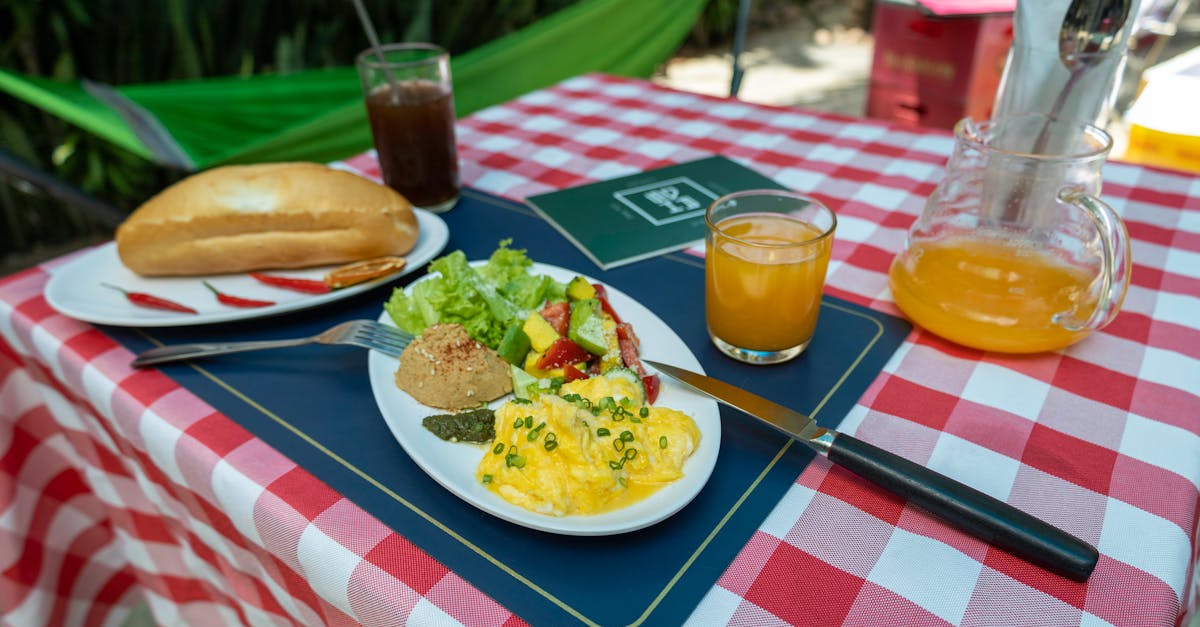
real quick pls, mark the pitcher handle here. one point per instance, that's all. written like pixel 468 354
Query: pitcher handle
pixel 1116 266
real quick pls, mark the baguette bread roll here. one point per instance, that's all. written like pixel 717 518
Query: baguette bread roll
pixel 256 217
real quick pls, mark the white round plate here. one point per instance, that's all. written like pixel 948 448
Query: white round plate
pixel 75 289
pixel 453 464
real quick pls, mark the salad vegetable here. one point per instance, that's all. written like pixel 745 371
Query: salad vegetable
pixel 476 425
pixel 486 300
pixel 549 331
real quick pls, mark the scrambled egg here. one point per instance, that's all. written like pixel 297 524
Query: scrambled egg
pixel 585 450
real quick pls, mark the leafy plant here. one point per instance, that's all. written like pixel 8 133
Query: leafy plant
pixel 144 41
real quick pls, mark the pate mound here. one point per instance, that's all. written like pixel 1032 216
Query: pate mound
pixel 445 368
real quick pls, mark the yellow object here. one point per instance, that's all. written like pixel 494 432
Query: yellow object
pixel 541 334
pixel 764 298
pixel 1164 129
pixel 991 295
pixel 530 366
pixel 612 357
pixel 1171 150
pixel 566 460
pixel 580 289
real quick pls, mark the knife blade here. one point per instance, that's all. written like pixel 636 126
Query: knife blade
pixel 968 509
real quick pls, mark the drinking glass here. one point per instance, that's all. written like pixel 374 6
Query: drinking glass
pixel 410 105
pixel 766 256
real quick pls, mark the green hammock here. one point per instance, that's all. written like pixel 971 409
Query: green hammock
pixel 318 115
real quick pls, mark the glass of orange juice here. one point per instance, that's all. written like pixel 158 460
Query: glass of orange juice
pixel 766 256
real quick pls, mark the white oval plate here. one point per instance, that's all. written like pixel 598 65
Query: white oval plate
pixel 75 290
pixel 453 464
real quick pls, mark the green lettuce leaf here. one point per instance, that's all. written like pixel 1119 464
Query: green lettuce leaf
pixel 485 300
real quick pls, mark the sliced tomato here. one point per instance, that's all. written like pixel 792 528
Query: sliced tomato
pixel 558 315
pixel 562 352
pixel 652 385
pixel 602 296
pixel 628 343
pixel 625 332
pixel 571 373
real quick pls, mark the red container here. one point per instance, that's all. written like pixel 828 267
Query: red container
pixel 938 61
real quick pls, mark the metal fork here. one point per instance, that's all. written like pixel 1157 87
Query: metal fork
pixel 365 333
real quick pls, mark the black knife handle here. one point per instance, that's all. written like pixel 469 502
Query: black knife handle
pixel 984 517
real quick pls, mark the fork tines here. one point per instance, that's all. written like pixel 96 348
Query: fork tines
pixel 380 337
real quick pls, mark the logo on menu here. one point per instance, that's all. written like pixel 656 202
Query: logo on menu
pixel 667 201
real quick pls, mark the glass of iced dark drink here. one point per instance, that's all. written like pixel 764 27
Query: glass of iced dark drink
pixel 410 105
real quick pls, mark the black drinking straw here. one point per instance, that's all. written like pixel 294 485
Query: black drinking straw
pixel 374 39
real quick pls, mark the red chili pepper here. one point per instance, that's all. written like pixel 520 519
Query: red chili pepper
pixel 149 300
pixel 237 301
pixel 292 283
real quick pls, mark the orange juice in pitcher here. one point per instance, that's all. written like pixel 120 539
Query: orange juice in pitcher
pixel 1014 252
pixel 990 294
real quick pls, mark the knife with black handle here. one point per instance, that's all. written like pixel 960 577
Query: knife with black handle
pixel 980 515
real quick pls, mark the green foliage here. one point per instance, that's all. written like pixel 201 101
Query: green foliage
pixel 144 41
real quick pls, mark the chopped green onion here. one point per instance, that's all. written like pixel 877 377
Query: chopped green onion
pixel 499 448
pixel 551 445
pixel 621 480
pixel 487 478
pixel 536 432
pixel 518 422
pixel 662 441
pixel 630 453
pixel 522 401
pixel 627 436
pixel 619 444
pixel 614 465
pixel 515 461
pixel 602 432
pixel 528 421
pixel 643 412
pixel 551 437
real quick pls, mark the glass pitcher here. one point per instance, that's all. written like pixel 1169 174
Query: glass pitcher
pixel 1014 252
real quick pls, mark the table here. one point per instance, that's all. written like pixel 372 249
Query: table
pixel 117 485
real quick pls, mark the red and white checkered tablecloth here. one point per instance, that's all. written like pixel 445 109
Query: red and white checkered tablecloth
pixel 117 485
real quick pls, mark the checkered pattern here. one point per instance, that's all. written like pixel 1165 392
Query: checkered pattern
pixel 118 485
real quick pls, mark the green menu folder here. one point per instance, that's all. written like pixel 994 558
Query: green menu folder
pixel 622 220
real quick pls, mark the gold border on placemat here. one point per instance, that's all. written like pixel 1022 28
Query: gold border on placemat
pixel 677 257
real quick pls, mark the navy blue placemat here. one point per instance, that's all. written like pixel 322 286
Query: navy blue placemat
pixel 314 404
